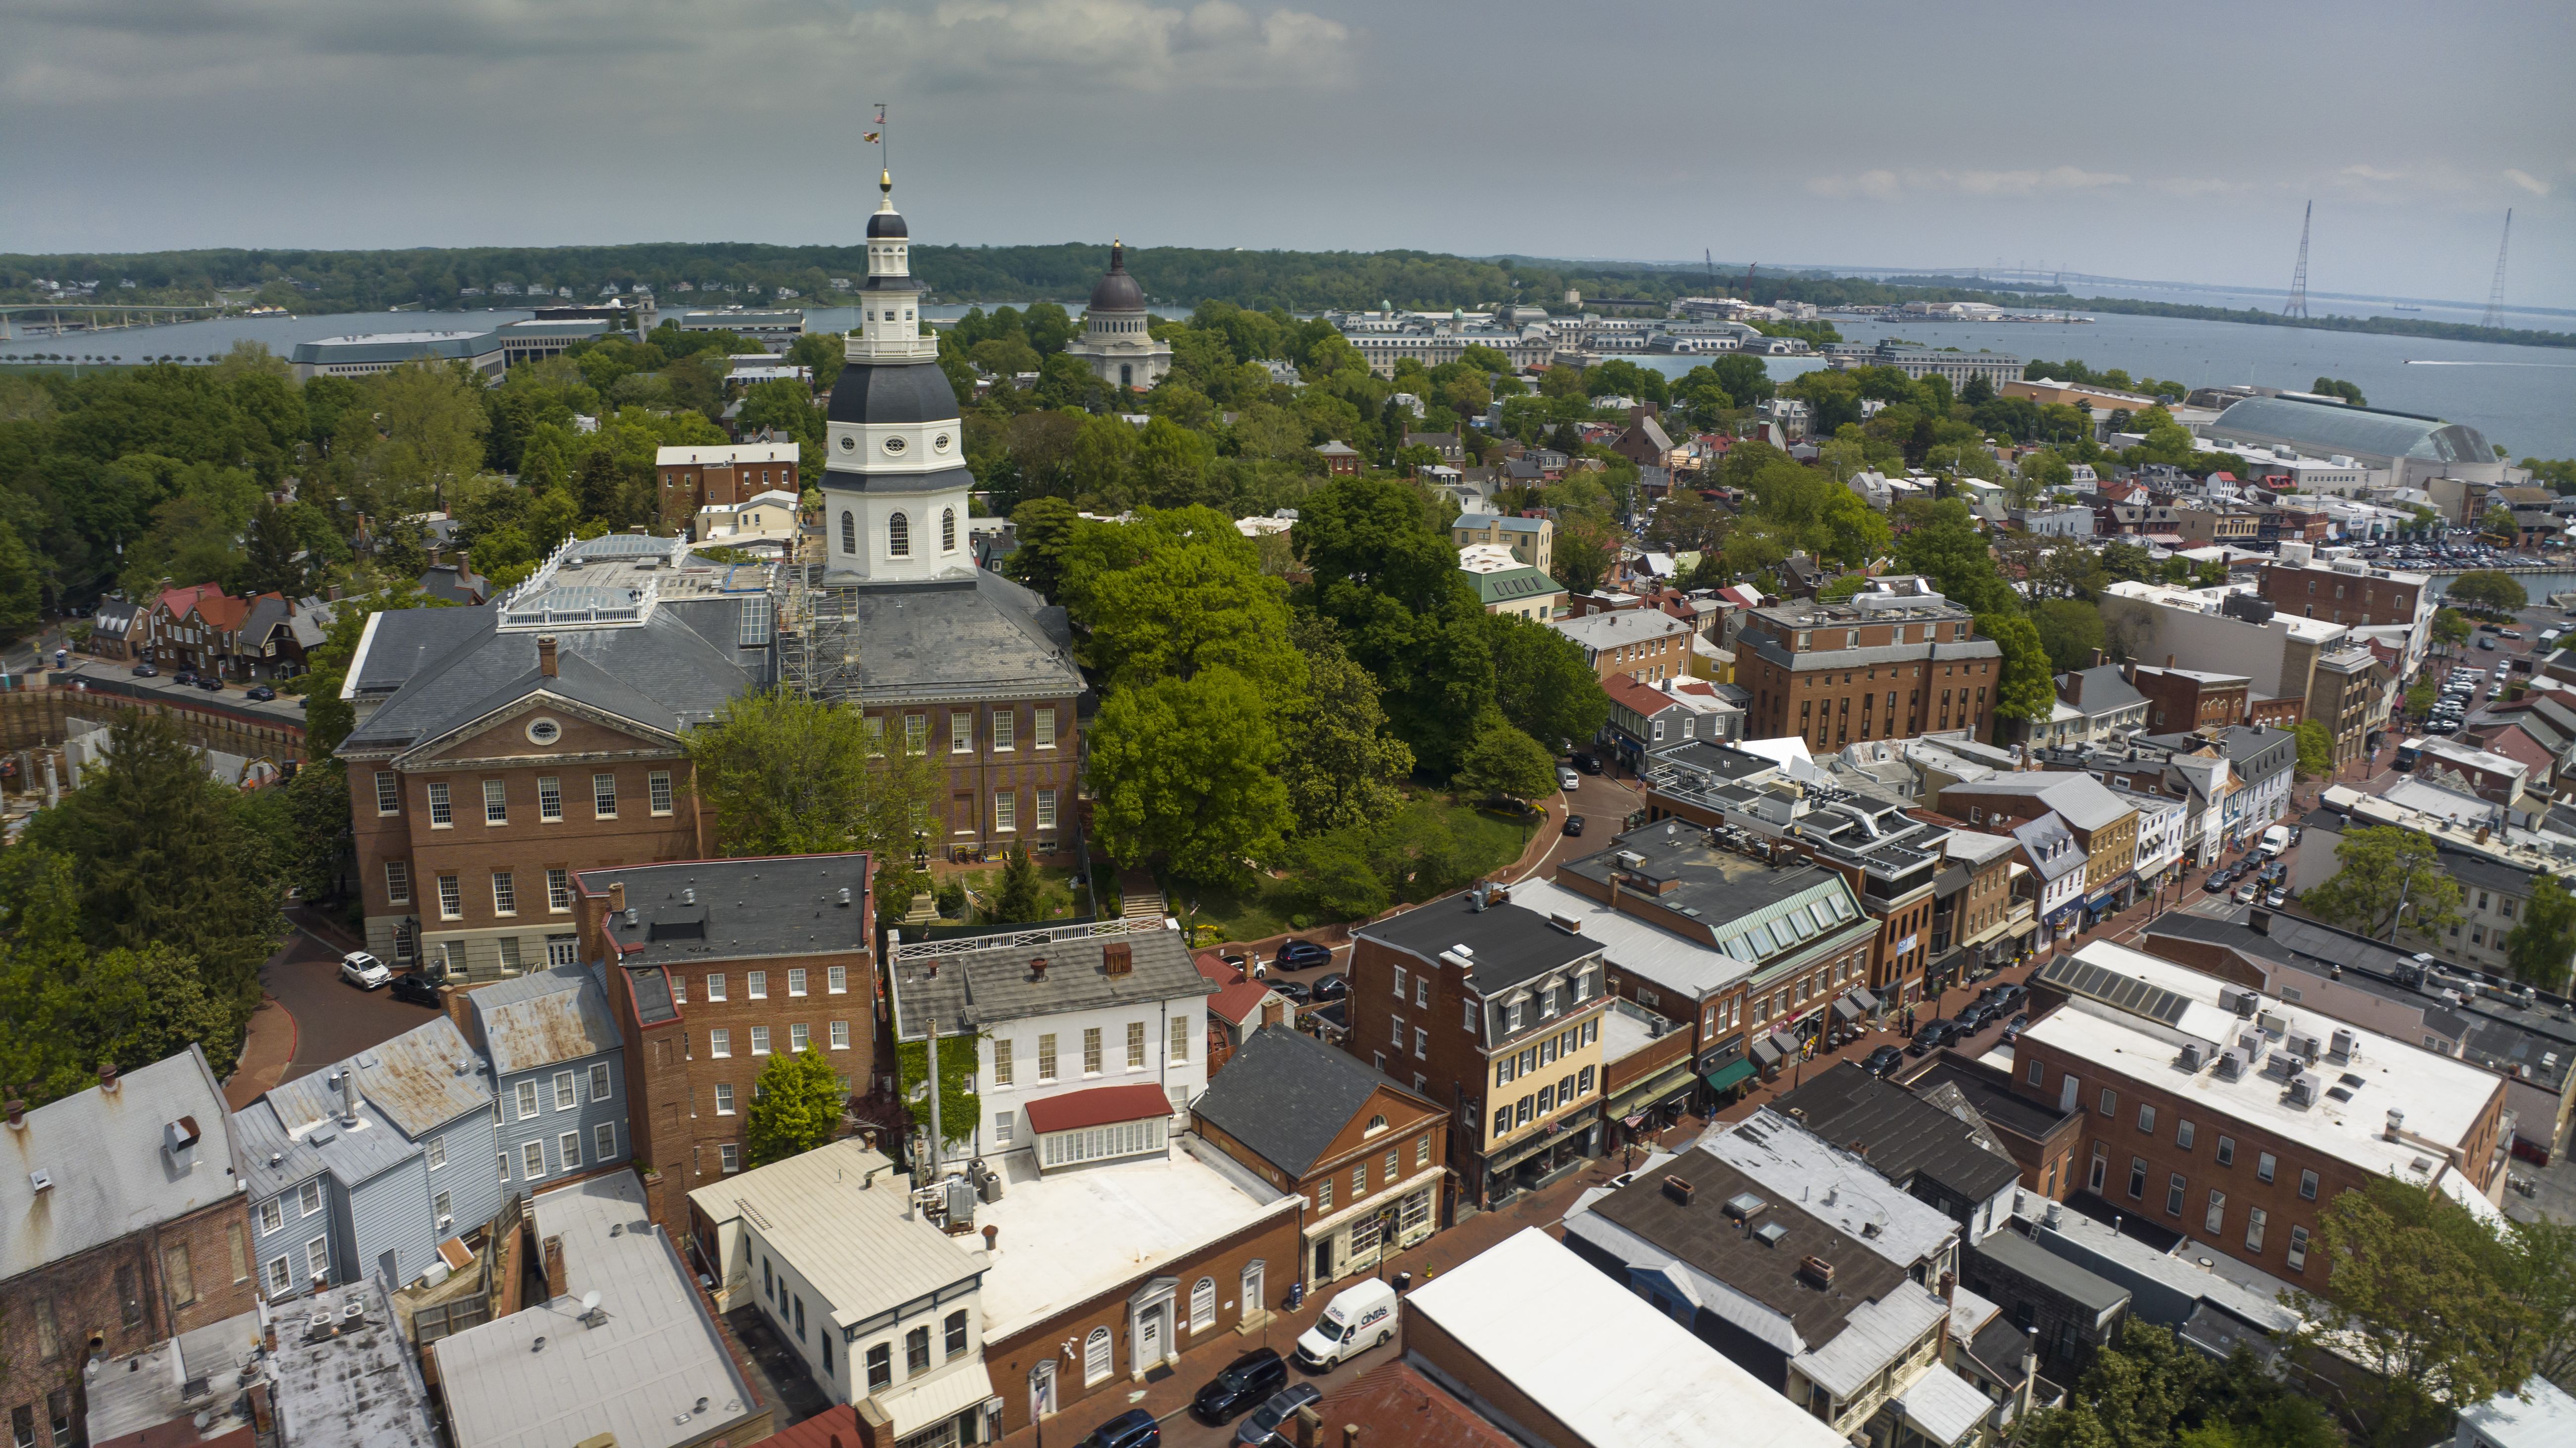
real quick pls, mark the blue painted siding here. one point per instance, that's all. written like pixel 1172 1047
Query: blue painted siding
pixel 591 1108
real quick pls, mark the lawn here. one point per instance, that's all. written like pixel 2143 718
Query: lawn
pixel 1055 888
pixel 1478 840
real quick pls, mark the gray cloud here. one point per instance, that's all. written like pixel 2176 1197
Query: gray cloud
pixel 1840 131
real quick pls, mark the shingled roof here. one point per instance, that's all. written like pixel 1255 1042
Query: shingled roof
pixel 1286 1095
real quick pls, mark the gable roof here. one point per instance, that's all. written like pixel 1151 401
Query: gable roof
pixel 103 1151
pixel 987 978
pixel 544 1018
pixel 1898 1133
pixel 1286 1095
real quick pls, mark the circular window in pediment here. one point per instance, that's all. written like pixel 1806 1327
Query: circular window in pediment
pixel 544 731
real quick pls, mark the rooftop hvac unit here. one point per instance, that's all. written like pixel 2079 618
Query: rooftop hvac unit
pixel 2342 1045
pixel 2268 1021
pixel 2232 1065
pixel 2238 999
pixel 2302 1044
pixel 2303 1089
pixel 2194 1055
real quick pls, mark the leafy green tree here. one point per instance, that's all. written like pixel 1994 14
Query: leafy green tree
pixel 1392 588
pixel 2419 1294
pixel 1943 544
pixel 2069 632
pixel 21 594
pixel 1020 897
pixel 2543 942
pixel 2498 525
pixel 2420 694
pixel 1541 682
pixel 1044 526
pixel 2380 872
pixel 1186 771
pixel 1336 876
pixel 2451 627
pixel 2023 688
pixel 1502 762
pixel 1342 763
pixel 2490 588
pixel 2316 749
pixel 797 1107
pixel 1176 592
pixel 786 775
pixel 162 858
pixel 1685 522
pixel 2336 387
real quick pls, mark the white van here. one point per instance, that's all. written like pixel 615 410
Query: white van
pixel 1359 1318
pixel 2275 840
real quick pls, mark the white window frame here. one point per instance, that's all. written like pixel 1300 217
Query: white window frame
pixel 496 802
pixel 840 1035
pixel 729 1158
pixel 757 987
pixel 505 893
pixel 724 1098
pixel 568 1150
pixel 657 791
pixel 435 1152
pixel 525 1093
pixel 451 898
pixel 760 1040
pixel 796 981
pixel 799 1036
pixel 603 795
pixel 715 986
pixel 1042 727
pixel 397 882
pixel 317 1259
pixel 719 1041
pixel 1045 809
pixel 388 793
pixel 567 1090
pixel 272 1216
pixel 532 1160
pixel 836 980
pixel 549 799
pixel 600 1089
pixel 442 810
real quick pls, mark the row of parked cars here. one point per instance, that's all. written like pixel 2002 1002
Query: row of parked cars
pixel 1999 1002
pixel 211 683
pixel 1255 1386
pixel 2261 879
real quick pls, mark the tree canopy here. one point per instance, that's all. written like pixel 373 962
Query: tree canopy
pixel 2382 870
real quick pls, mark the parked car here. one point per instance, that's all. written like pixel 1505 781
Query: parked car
pixel 262 693
pixel 1568 779
pixel 1587 764
pixel 1883 1060
pixel 1245 1383
pixel 1301 955
pixel 2004 995
pixel 211 683
pixel 2014 1027
pixel 184 676
pixel 1974 1017
pixel 1332 987
pixel 2278 898
pixel 2488 644
pixel 2248 894
pixel 416 988
pixel 146 671
pixel 1359 1318
pixel 1295 990
pixel 1264 1427
pixel 364 971
pixel 1932 1038
pixel 1134 1428
pixel 1574 824
pixel 2218 882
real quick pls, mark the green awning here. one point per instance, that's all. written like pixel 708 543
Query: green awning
pixel 1730 1073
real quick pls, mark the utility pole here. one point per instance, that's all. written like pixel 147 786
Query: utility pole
pixel 2495 294
pixel 2298 306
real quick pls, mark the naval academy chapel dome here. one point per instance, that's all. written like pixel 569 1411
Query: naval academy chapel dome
pixel 1117 291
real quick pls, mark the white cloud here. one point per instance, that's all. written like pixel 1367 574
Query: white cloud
pixel 2526 181
pixel 1885 185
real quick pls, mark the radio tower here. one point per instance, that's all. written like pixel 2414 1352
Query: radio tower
pixel 2495 294
pixel 2298 306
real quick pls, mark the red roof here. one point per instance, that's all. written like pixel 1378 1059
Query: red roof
pixel 180 600
pixel 1216 967
pixel 835 1427
pixel 1099 1106
pixel 1646 699
pixel 2520 747
pixel 1238 1001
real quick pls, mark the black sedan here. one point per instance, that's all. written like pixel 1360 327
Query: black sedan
pixel 1301 955
pixel 262 693
pixel 146 671
pixel 211 683
pixel 1574 824
pixel 1883 1060
pixel 1241 1387
pixel 1333 987
pixel 1295 990
pixel 1932 1038
pixel 414 987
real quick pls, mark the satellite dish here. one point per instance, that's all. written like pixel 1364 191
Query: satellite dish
pixel 590 1302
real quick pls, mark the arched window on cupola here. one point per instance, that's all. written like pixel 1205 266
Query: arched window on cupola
pixel 898 536
pixel 948 530
pixel 850 533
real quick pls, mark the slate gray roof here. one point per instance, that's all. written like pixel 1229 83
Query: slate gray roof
pixel 2018 1254
pixel 103 1152
pixel 113 619
pixel 2258 753
pixel 2084 801
pixel 744 908
pixel 1897 1133
pixel 2037 835
pixel 543 1018
pixel 446 667
pixel 983 637
pixel 1511 944
pixel 2099 691
pixel 985 981
pixel 1286 1095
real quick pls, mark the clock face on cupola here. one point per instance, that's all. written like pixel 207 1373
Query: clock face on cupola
pixel 895 480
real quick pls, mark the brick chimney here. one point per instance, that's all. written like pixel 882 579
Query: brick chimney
pixel 460 1012
pixel 617 896
pixel 546 655
pixel 554 1267
pixel 107 1077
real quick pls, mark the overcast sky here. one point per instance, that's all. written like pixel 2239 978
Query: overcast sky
pixel 2172 141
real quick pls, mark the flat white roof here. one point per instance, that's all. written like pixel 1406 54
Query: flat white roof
pixel 2442 1098
pixel 543 1378
pixel 748 452
pixel 842 1217
pixel 1832 1185
pixel 1672 961
pixel 2540 1416
pixel 1598 1359
pixel 361 339
pixel 1072 1234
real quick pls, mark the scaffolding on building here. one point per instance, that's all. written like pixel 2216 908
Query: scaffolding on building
pixel 817 626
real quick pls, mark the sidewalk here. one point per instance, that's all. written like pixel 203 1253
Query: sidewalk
pixel 1169 1393
pixel 268 1047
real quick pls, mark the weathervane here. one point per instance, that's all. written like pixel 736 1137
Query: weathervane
pixel 885 166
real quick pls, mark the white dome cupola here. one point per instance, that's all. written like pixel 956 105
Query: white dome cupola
pixel 895 480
